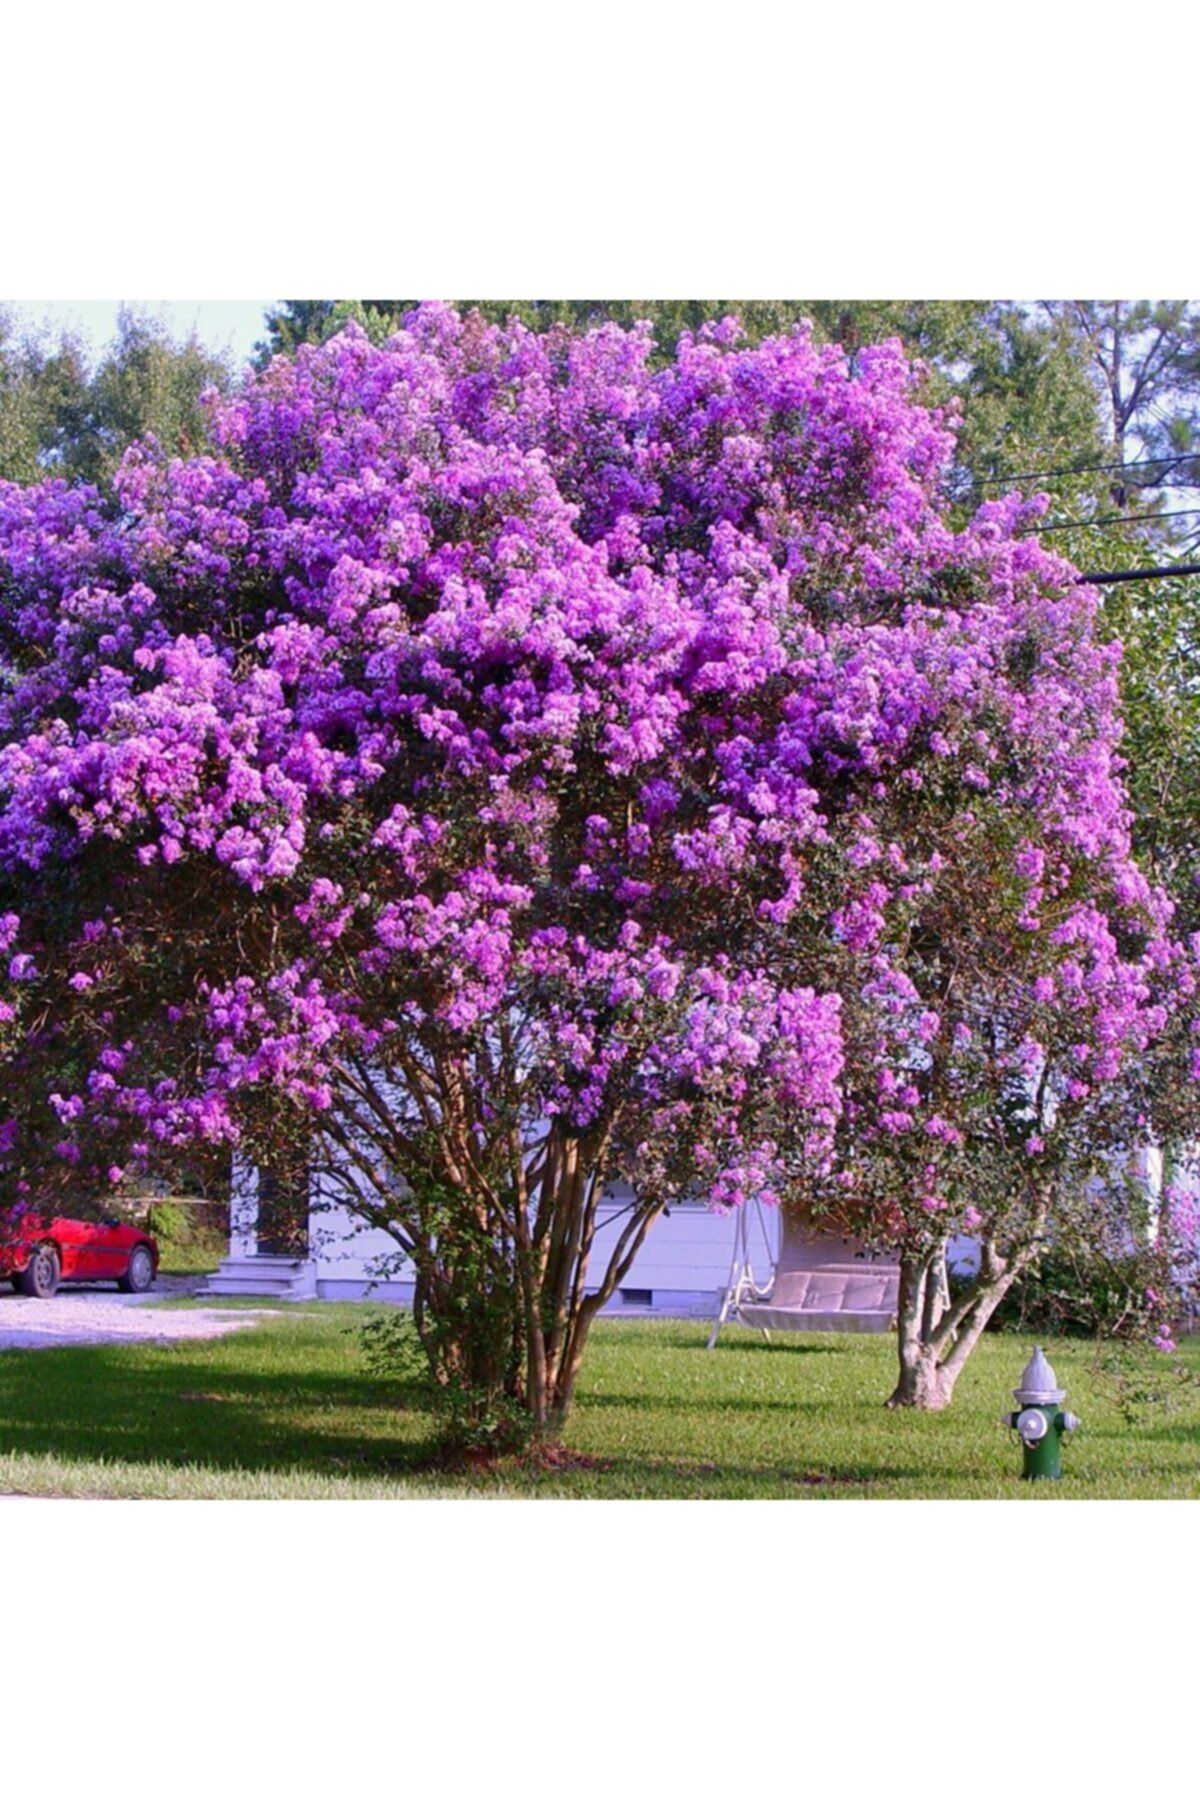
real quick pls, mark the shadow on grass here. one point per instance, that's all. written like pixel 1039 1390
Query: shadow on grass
pixel 1182 1433
pixel 719 1404
pixel 89 1403
pixel 95 1402
pixel 664 1476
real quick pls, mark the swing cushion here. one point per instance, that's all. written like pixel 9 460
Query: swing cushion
pixel 849 1296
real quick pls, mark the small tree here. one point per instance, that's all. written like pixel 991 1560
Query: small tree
pixel 1004 1039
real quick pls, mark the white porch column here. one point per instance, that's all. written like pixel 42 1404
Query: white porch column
pixel 243 1208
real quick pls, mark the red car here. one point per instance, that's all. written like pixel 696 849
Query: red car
pixel 36 1254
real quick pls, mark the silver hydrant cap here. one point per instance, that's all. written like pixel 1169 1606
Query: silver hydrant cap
pixel 1039 1384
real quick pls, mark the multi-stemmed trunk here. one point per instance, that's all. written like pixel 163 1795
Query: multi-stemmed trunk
pixel 509 1278
pixel 936 1334
pixel 553 1261
pixel 505 1325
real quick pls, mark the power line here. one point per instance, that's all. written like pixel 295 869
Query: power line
pixel 1136 462
pixel 1111 577
pixel 1184 512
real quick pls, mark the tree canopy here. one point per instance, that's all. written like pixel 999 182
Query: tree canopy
pixel 1023 381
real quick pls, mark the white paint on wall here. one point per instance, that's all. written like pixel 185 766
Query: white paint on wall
pixel 683 1265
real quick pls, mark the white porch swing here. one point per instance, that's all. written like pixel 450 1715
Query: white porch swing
pixel 816 1283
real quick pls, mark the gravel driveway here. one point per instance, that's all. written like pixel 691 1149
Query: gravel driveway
pixel 100 1316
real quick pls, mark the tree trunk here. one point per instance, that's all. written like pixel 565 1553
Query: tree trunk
pixel 935 1340
pixel 504 1317
pixel 922 1383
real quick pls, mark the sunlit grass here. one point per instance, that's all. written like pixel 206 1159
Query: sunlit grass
pixel 289 1408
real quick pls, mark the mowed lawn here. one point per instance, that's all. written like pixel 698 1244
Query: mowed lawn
pixel 290 1408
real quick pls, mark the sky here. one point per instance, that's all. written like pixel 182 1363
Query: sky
pixel 224 325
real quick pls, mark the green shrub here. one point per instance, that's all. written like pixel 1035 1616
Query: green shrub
pixel 171 1223
pixel 473 1420
pixel 191 1239
pixel 1091 1293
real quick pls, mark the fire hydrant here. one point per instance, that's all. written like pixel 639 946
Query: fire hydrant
pixel 1039 1422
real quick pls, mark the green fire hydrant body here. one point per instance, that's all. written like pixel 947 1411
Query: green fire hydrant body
pixel 1039 1422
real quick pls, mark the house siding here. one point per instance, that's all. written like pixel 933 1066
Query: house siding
pixel 682 1267
pixel 683 1264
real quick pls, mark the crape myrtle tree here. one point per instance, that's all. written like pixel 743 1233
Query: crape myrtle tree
pixel 1015 1021
pixel 494 768
pixel 1157 624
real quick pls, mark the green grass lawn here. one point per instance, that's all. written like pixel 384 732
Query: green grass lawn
pixel 289 1409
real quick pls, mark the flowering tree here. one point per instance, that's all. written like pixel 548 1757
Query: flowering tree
pixel 1012 1017
pixel 505 766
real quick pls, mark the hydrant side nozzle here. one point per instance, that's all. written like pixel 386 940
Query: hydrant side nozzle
pixel 1068 1421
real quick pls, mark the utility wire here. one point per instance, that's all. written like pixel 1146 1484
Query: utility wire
pixel 1137 462
pixel 1111 577
pixel 1185 512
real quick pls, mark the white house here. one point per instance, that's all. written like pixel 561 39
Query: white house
pixel 690 1257
pixel 682 1268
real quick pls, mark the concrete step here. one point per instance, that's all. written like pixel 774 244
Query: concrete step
pixel 271 1277
pixel 280 1267
pixel 235 1284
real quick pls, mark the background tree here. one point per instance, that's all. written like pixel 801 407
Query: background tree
pixel 60 415
pixel 1144 357
pixel 43 389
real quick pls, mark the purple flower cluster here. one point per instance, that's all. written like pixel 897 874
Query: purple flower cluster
pixel 500 701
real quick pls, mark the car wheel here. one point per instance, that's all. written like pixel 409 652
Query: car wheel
pixel 39 1278
pixel 139 1276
